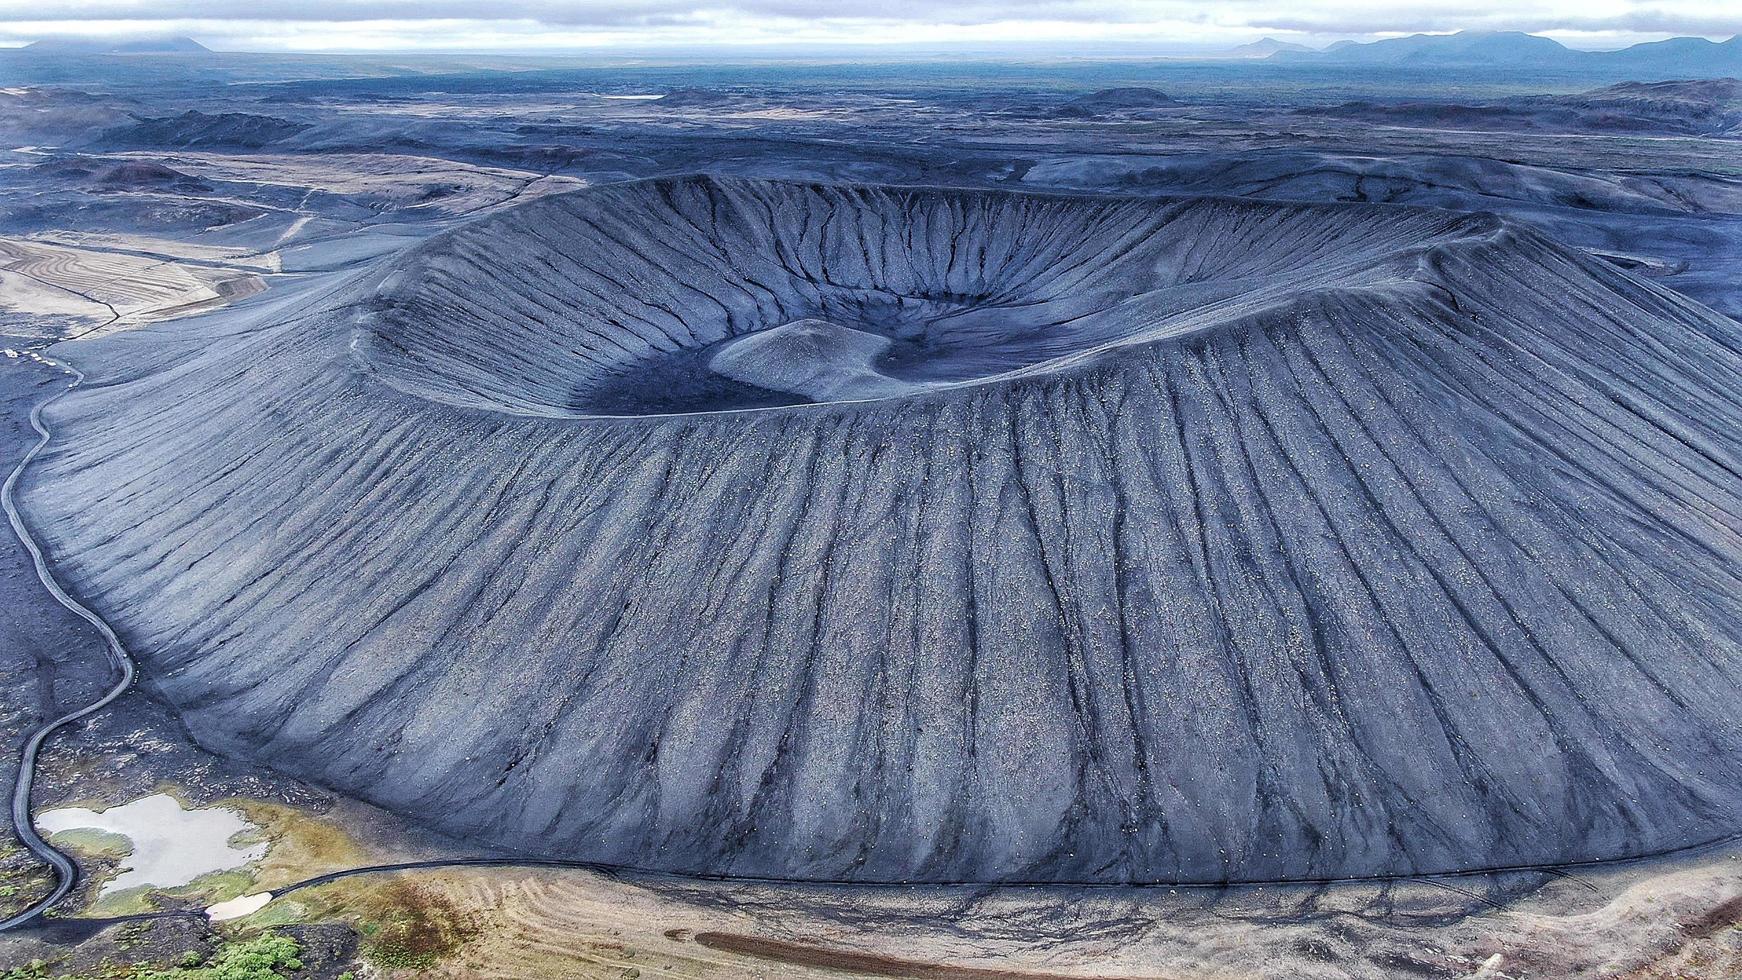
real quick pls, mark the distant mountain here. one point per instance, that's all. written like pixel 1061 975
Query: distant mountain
pixel 1263 48
pixel 1680 57
pixel 149 45
pixel 1684 57
pixel 1465 47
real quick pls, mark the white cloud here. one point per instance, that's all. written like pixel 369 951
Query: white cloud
pixel 549 24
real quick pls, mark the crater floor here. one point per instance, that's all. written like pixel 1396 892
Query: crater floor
pixel 887 534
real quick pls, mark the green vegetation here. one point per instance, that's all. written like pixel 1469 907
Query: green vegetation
pixel 92 843
pixel 207 889
pixel 280 913
pixel 265 957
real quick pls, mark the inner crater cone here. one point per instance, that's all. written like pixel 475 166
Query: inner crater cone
pixel 892 534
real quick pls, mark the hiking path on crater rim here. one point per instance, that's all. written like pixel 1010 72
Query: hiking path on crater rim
pixel 878 533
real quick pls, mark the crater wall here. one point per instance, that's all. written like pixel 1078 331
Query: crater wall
pixel 861 533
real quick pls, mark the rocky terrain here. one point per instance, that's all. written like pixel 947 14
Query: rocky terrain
pixel 1188 540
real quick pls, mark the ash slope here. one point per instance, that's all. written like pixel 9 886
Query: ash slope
pixel 1203 540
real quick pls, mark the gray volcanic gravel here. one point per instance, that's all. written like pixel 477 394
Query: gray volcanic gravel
pixel 1042 538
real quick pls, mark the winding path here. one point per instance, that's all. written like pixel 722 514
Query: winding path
pixel 121 664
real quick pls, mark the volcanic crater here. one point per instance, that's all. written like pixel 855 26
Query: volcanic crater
pixel 860 533
pixel 699 296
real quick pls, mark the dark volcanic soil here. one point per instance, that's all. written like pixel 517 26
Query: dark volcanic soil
pixel 1227 540
pixel 53 661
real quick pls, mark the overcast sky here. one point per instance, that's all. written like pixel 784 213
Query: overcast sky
pixel 549 25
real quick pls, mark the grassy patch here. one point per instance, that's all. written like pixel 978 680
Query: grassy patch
pixel 414 927
pixel 264 957
pixel 302 844
pixel 92 843
pixel 283 912
pixel 219 886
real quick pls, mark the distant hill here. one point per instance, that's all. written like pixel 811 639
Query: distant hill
pixel 1699 107
pixel 1263 48
pixel 1114 100
pixel 1705 90
pixel 128 175
pixel 693 98
pixel 198 129
pixel 1709 106
pixel 151 45
pixel 1680 57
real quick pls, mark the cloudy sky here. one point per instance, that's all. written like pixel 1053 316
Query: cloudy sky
pixel 550 25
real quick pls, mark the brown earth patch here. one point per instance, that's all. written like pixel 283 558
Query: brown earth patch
pixel 870 964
